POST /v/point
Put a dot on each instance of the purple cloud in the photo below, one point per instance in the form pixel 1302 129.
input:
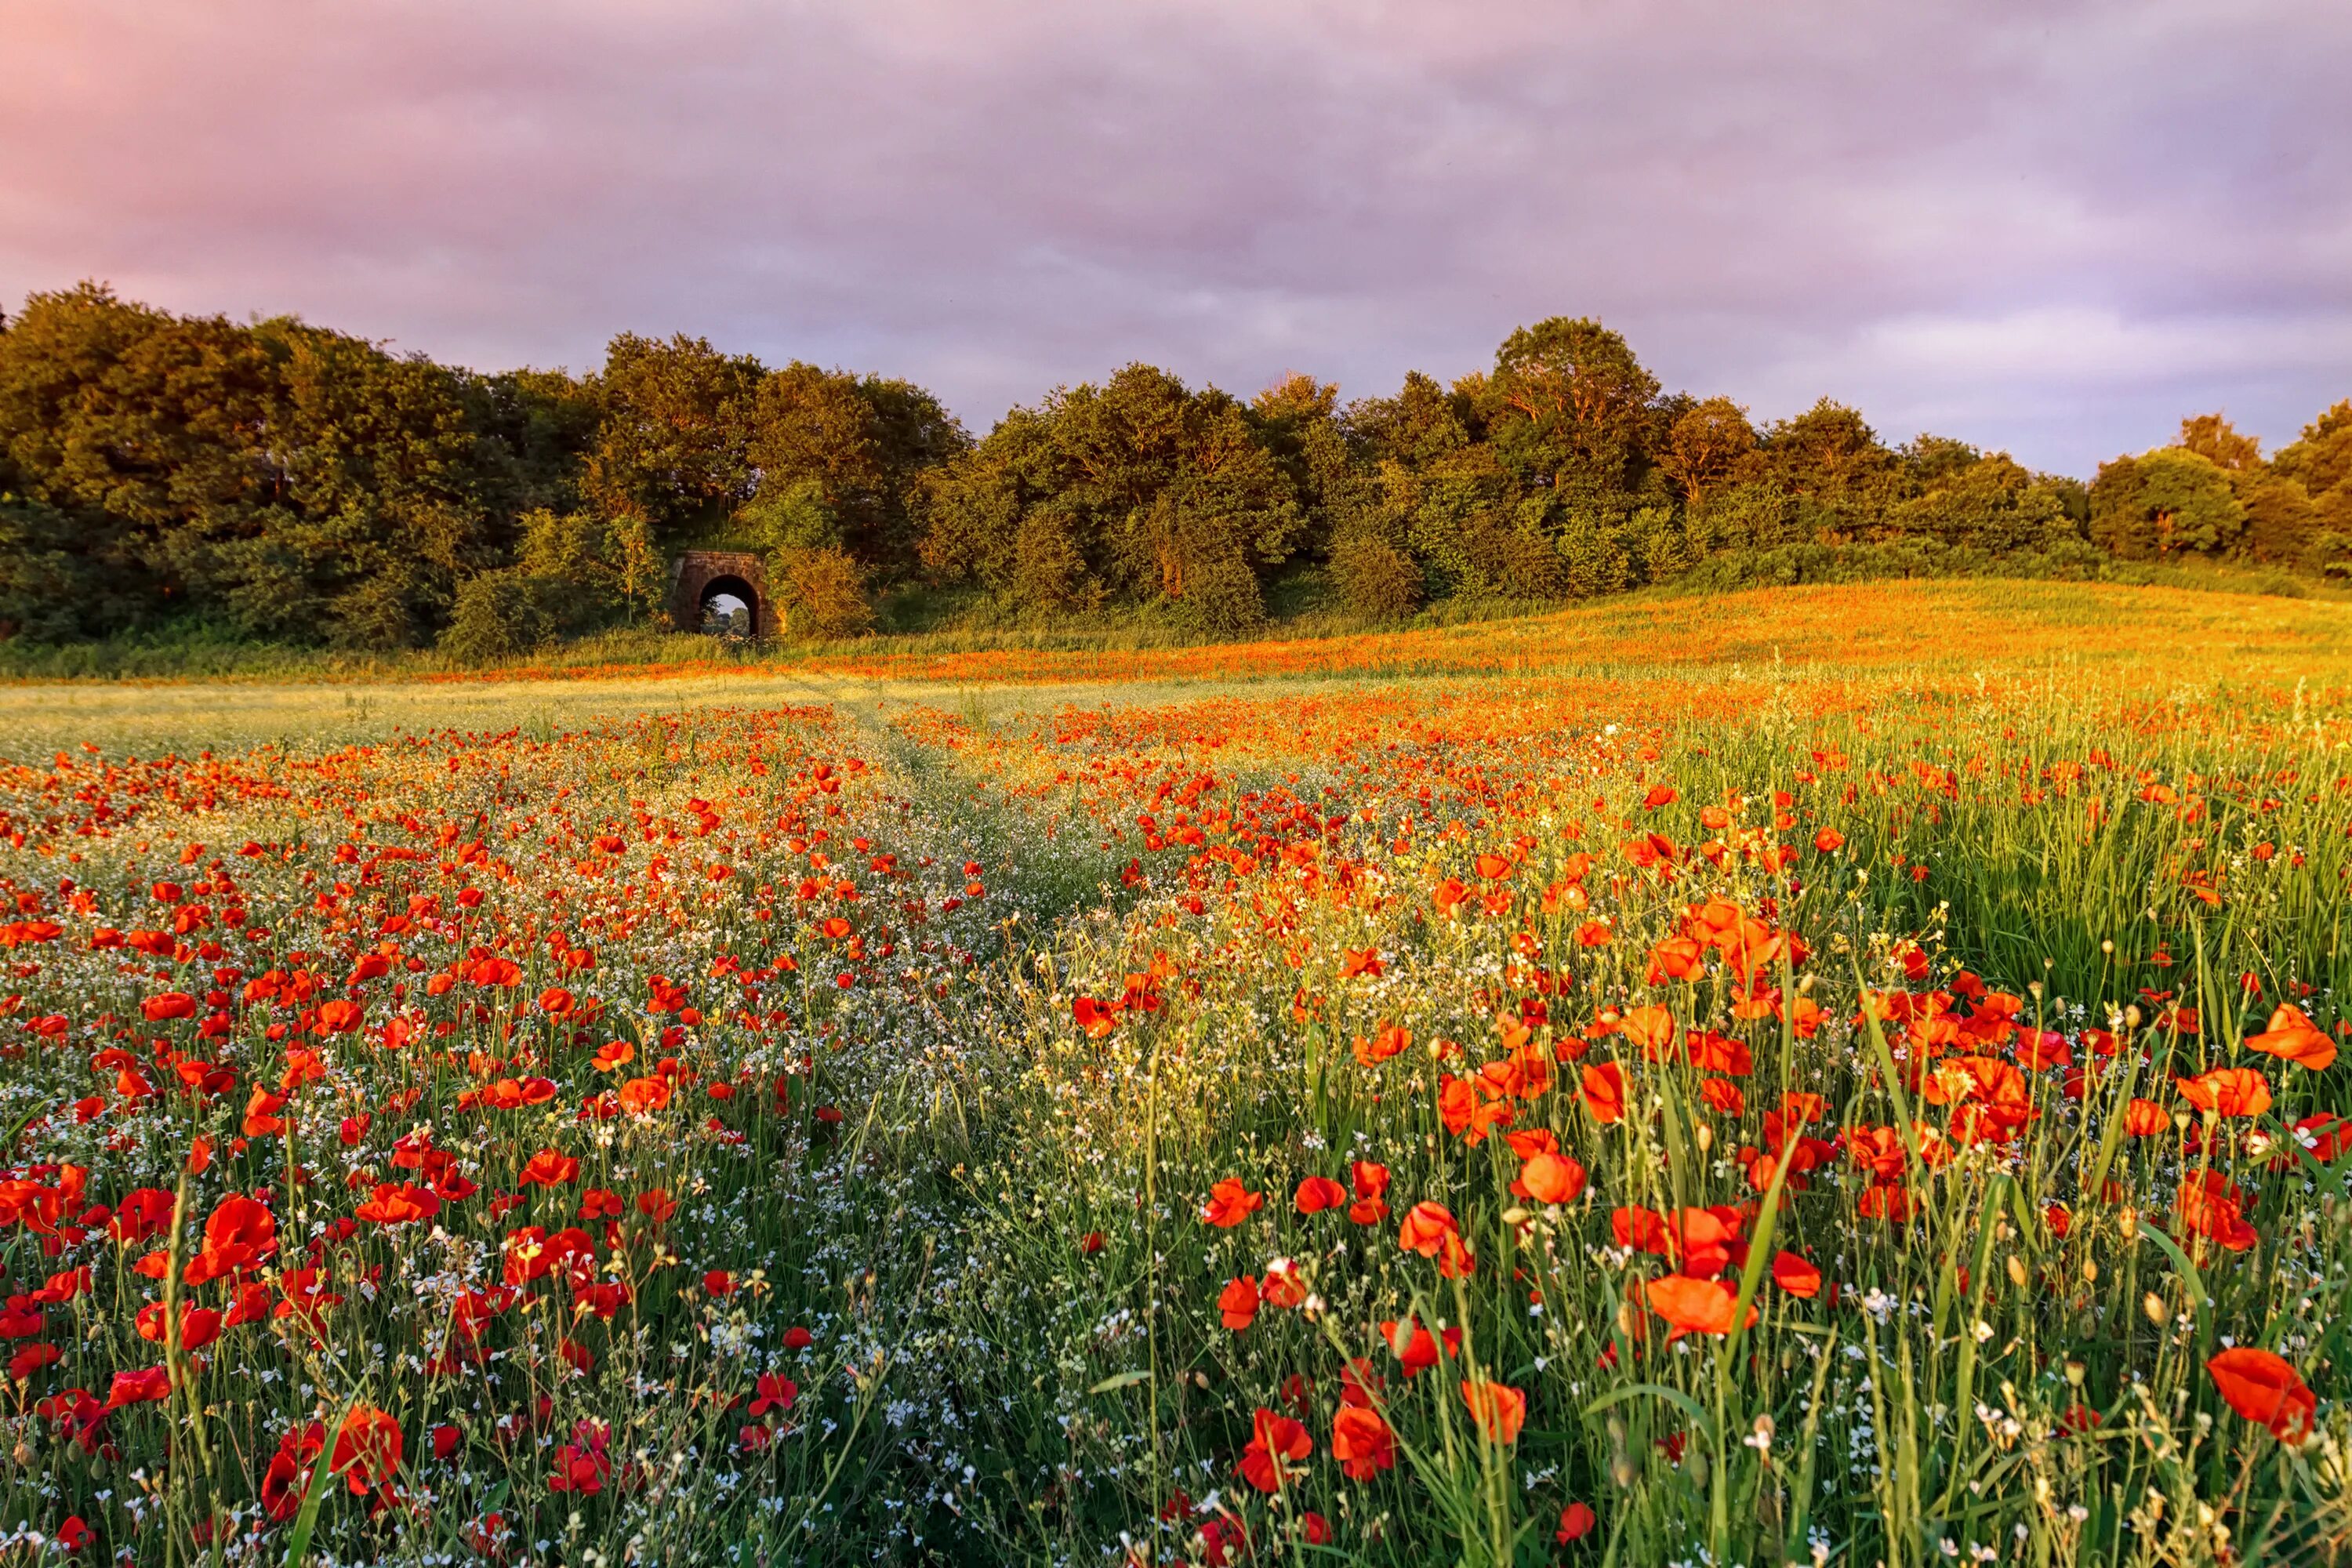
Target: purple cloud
pixel 2049 227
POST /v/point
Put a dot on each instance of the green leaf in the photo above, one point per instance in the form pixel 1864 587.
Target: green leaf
pixel 1122 1380
pixel 298 1540
pixel 1673 1397
pixel 2197 1295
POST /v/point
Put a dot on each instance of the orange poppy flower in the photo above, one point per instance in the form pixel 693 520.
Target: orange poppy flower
pixel 2228 1091
pixel 2291 1036
pixel 1549 1178
pixel 1283 1286
pixel 1605 1092
pixel 1499 1409
pixel 1362 1442
pixel 1427 1227
pixel 1387 1040
pixel 1694 1306
pixel 2210 1205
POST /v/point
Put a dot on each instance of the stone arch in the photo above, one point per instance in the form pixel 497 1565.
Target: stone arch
pixel 700 575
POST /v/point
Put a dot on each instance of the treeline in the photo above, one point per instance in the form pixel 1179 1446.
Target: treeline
pixel 285 482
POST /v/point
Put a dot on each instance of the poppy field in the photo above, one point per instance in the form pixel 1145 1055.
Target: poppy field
pixel 1882 1107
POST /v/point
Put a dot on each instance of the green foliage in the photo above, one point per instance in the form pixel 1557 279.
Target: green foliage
pixel 2163 503
pixel 2321 460
pixel 671 448
pixel 597 559
pixel 299 486
pixel 1375 578
pixel 1569 397
pixel 302 484
pixel 1707 445
pixel 1829 457
pixel 1138 488
pixel 1988 503
pixel 500 614
pixel 791 514
pixel 823 590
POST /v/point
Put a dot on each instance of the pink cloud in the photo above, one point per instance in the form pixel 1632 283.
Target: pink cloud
pixel 1776 201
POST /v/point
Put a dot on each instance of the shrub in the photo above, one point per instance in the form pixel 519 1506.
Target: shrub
pixel 499 615
pixel 1375 578
pixel 822 592
pixel 1221 595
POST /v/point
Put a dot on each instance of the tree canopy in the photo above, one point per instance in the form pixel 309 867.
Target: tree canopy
pixel 285 481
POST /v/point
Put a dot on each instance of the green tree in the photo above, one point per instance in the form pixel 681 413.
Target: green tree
pixel 1834 464
pixel 1709 445
pixel 861 443
pixel 1167 496
pixel 2166 502
pixel 1570 398
pixel 2321 459
pixel 672 445
pixel 2212 438
pixel 1991 504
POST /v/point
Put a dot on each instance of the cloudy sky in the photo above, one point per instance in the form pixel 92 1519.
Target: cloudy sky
pixel 2051 227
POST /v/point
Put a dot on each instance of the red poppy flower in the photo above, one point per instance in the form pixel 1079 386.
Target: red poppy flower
pixel 1276 1441
pixel 549 1169
pixel 153 1383
pixel 239 1234
pixel 367 1448
pixel 774 1391
pixel 398 1205
pixel 1317 1194
pixel 1230 1202
pixel 1237 1303
pixel 1605 1092
pixel 2260 1386
pixel 1796 1275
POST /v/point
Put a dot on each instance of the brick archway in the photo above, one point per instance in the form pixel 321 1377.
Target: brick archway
pixel 698 574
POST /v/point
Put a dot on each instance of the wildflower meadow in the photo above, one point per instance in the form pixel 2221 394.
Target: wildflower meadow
pixel 1837 1077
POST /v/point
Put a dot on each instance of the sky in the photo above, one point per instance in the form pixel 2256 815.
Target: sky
pixel 2052 229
